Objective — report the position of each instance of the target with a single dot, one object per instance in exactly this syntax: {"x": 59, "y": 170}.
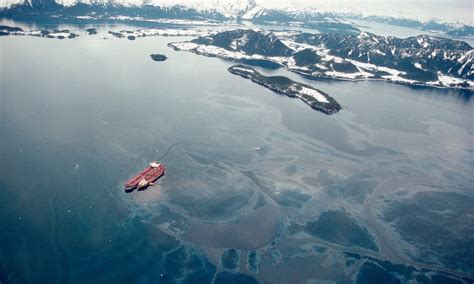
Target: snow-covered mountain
{"x": 228, "y": 8}
{"x": 258, "y": 11}
{"x": 422, "y": 10}
{"x": 422, "y": 60}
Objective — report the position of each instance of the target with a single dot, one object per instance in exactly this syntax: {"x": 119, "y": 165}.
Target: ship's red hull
{"x": 146, "y": 177}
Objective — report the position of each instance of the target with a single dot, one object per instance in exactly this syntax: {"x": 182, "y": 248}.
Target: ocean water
{"x": 259, "y": 186}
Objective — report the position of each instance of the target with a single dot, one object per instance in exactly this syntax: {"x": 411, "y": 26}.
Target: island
{"x": 421, "y": 60}
{"x": 7, "y": 30}
{"x": 315, "y": 98}
{"x": 91, "y": 31}
{"x": 16, "y": 31}
{"x": 158, "y": 57}
{"x": 160, "y": 32}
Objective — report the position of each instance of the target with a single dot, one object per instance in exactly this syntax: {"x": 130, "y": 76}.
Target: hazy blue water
{"x": 263, "y": 172}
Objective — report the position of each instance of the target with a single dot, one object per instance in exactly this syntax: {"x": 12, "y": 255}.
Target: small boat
{"x": 146, "y": 178}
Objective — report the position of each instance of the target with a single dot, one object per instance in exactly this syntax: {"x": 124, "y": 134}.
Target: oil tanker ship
{"x": 145, "y": 178}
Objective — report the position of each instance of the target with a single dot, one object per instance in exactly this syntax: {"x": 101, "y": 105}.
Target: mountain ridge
{"x": 221, "y": 10}
{"x": 421, "y": 60}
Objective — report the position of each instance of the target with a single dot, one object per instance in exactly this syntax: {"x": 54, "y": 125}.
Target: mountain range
{"x": 421, "y": 60}
{"x": 219, "y": 10}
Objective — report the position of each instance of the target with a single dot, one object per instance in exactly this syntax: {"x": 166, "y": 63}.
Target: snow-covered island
{"x": 16, "y": 31}
{"x": 421, "y": 60}
{"x": 133, "y": 34}
{"x": 315, "y": 98}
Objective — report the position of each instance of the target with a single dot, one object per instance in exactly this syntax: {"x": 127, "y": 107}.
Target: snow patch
{"x": 315, "y": 94}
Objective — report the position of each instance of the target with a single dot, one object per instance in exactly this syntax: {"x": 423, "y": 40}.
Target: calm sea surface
{"x": 259, "y": 186}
